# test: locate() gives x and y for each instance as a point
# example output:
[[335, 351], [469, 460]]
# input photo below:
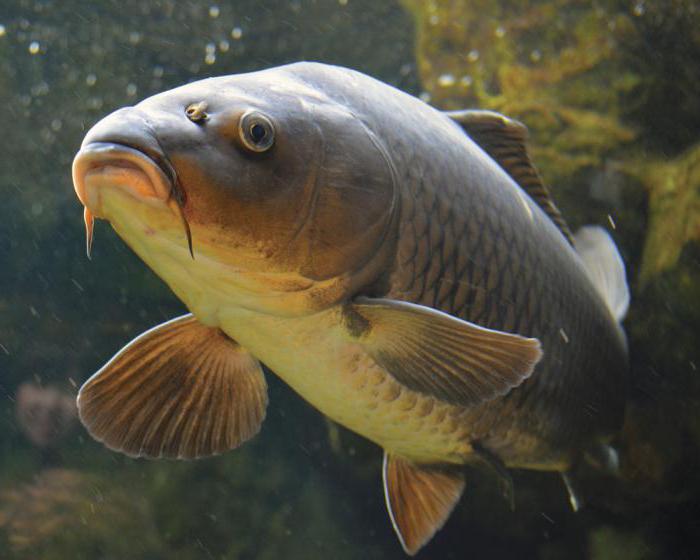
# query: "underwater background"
[[610, 90]]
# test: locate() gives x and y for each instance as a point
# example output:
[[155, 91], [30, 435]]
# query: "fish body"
[[402, 269]]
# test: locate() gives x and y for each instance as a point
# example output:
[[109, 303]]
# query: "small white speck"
[[446, 80], [135, 37], [158, 71], [34, 47], [466, 81], [95, 102], [473, 55], [131, 90], [564, 336], [224, 46], [434, 19], [236, 33], [214, 12], [500, 31], [56, 125], [535, 55], [2, 30], [611, 222], [526, 206], [210, 58], [210, 48], [425, 96], [91, 80], [639, 9]]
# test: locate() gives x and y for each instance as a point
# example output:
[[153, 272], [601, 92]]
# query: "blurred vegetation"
[[611, 93]]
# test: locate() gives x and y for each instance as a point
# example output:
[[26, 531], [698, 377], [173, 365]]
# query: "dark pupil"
[[257, 133]]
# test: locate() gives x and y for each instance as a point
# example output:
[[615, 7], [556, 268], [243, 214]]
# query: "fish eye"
[[256, 132], [197, 112]]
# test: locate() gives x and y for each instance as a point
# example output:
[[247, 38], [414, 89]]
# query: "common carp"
[[403, 269]]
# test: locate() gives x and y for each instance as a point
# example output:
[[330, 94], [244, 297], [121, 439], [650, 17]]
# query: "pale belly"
[[334, 375], [310, 352]]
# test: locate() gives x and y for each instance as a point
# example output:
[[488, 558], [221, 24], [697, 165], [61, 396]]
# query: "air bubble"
[[473, 55], [131, 90], [214, 12], [34, 47], [236, 33], [446, 80]]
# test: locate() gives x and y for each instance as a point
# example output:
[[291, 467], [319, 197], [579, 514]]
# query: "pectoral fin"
[[180, 390], [436, 354], [419, 498]]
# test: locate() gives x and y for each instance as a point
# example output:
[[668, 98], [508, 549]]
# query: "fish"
[[403, 269]]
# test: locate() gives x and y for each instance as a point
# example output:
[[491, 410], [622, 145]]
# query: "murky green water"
[[611, 93]]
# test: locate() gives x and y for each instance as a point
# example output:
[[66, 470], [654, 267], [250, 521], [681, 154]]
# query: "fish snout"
[[121, 151]]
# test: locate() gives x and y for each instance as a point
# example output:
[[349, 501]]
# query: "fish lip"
[[101, 155]]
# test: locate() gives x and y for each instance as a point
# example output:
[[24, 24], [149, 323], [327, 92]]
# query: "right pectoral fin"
[[419, 498], [181, 390]]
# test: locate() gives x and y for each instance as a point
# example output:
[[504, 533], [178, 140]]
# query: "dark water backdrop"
[[610, 90]]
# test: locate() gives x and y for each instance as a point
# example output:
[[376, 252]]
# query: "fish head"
[[277, 188]]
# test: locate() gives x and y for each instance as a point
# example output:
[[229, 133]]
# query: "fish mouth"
[[101, 164]]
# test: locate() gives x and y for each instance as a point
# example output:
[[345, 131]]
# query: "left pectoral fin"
[[181, 390], [439, 355], [419, 498]]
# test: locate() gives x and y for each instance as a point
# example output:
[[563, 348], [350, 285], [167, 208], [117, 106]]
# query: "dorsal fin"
[[504, 140]]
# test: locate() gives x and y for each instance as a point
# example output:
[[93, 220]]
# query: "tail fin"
[[605, 268]]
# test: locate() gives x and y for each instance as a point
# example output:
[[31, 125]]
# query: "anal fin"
[[180, 390], [419, 498]]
